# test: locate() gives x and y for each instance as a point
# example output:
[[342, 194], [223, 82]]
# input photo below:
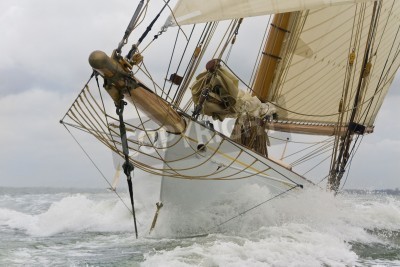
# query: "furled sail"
[[224, 98], [189, 12]]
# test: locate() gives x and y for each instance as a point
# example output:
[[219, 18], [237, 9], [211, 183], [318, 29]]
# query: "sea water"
[[92, 227]]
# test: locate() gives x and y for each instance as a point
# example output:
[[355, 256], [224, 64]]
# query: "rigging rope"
[[252, 208], [130, 27], [175, 20], [341, 160], [134, 48], [169, 66], [95, 165], [83, 123], [349, 164], [203, 43]]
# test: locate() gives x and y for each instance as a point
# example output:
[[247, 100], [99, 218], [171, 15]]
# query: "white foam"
[[73, 213], [380, 213], [311, 229], [288, 245]]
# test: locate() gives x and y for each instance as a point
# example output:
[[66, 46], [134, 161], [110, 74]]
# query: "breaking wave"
[[72, 213], [310, 229]]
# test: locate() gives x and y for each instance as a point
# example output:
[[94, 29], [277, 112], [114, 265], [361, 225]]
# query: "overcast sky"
[[43, 65]]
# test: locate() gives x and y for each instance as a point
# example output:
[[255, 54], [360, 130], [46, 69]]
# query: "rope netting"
[[199, 153]]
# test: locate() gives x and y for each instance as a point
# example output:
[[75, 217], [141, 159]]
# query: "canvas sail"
[[313, 83], [189, 12], [316, 72]]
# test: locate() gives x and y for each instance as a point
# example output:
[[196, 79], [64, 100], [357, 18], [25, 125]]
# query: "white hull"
[[206, 178]]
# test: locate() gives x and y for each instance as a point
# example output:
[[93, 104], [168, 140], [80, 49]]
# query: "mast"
[[271, 56], [339, 164], [250, 131]]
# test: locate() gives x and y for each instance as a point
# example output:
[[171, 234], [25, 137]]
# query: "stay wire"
[[312, 154], [145, 33], [318, 164], [104, 108], [355, 149], [175, 20], [180, 62], [308, 147], [169, 65], [254, 207]]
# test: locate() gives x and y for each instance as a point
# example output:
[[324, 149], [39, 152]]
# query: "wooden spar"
[[157, 109], [119, 81], [326, 130], [271, 56]]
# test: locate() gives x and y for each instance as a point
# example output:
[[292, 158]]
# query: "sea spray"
[[74, 213], [96, 229]]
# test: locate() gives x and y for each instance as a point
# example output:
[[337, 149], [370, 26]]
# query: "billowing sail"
[[315, 85], [324, 66], [189, 12]]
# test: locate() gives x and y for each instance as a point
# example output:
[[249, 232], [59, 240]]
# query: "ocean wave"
[[288, 245], [73, 213], [313, 228], [342, 215]]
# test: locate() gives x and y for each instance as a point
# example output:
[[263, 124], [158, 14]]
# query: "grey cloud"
[[47, 43], [17, 80]]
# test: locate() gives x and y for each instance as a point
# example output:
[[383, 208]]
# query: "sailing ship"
[[322, 68]]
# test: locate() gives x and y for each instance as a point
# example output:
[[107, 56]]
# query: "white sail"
[[189, 12], [310, 87]]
